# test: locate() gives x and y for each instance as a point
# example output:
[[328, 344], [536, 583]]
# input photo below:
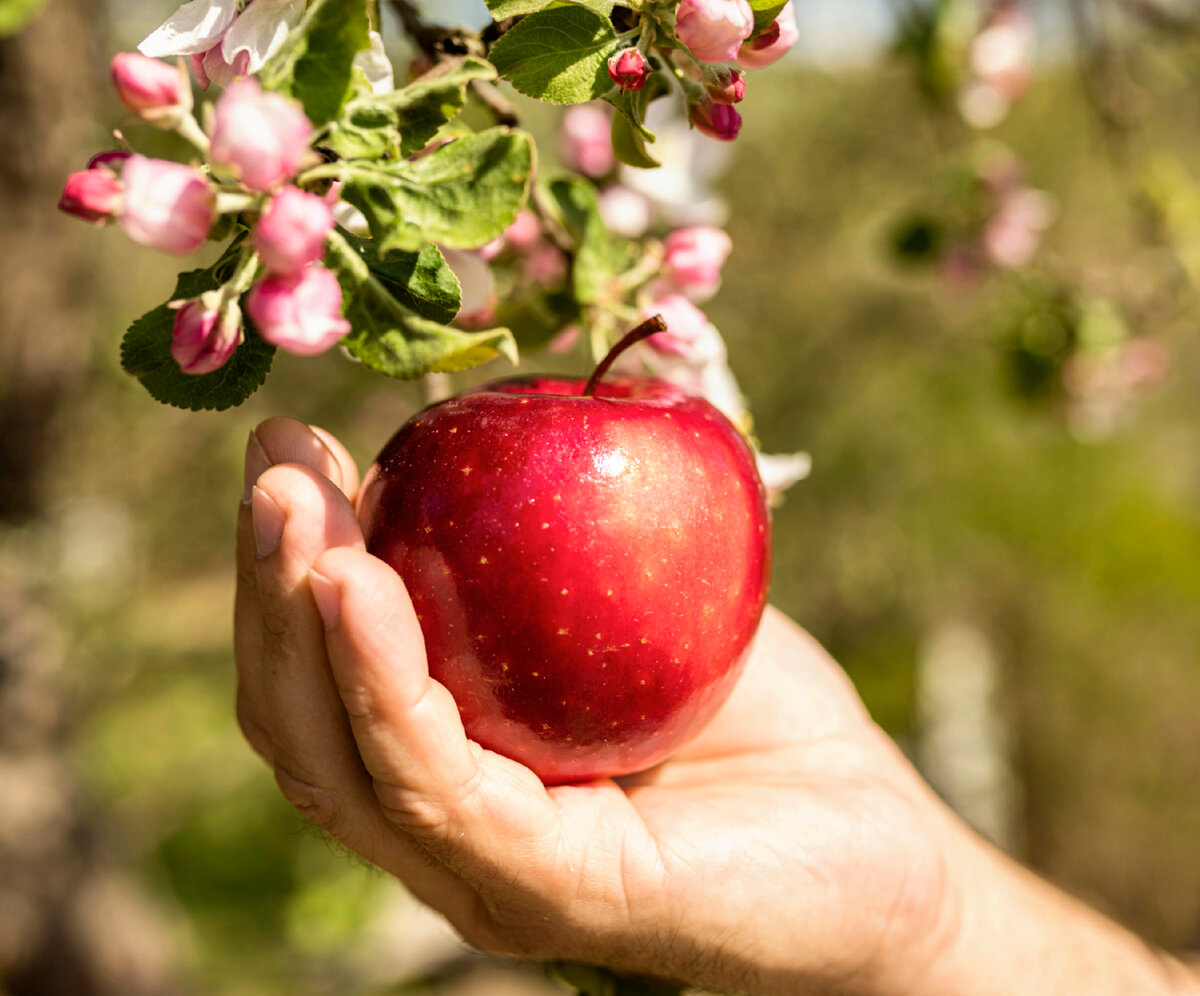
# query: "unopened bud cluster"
[[256, 144], [721, 35]]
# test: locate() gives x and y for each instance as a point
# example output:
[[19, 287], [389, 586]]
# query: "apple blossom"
[[291, 232], [713, 29], [545, 264], [585, 140], [153, 90], [628, 69], [524, 233], [726, 87], [772, 43], [112, 160], [693, 258], [626, 212], [167, 206], [263, 137], [376, 66], [719, 121], [92, 194], [221, 43], [1012, 235], [681, 190], [192, 29], [301, 314], [206, 332], [685, 325]]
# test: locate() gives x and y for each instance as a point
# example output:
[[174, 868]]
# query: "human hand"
[[788, 846]]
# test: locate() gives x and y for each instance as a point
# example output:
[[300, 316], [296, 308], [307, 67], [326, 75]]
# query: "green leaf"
[[765, 11], [146, 354], [428, 103], [502, 9], [629, 145], [404, 121], [365, 131], [559, 55], [422, 281], [462, 195], [629, 133], [15, 14], [415, 346], [599, 256], [395, 339], [315, 63]]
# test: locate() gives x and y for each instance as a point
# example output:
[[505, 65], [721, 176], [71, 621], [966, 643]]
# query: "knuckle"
[[254, 732], [412, 811], [274, 623], [320, 806], [359, 703]]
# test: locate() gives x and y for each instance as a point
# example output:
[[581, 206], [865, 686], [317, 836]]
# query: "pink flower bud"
[[112, 160], [719, 121], [714, 29], [206, 333], [726, 87], [524, 233], [291, 233], [686, 325], [545, 265], [694, 257], [153, 90], [585, 140], [302, 314], [628, 69], [91, 194], [263, 137], [168, 206], [772, 42]]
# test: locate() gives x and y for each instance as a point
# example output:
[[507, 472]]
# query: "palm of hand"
[[791, 808]]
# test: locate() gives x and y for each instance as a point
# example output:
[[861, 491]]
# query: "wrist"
[[1009, 933]]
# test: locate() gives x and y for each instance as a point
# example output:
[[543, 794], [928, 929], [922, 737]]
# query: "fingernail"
[[268, 521], [257, 463], [328, 597]]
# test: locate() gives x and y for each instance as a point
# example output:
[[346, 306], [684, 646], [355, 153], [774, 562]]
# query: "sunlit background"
[[999, 540]]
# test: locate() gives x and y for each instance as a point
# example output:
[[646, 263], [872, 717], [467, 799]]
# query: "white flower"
[[682, 187], [260, 31], [223, 43], [376, 66], [194, 28]]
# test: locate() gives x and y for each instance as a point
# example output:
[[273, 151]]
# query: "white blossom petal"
[[351, 219], [376, 66], [193, 28], [779, 471], [260, 31]]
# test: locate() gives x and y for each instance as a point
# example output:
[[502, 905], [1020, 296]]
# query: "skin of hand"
[[790, 848]]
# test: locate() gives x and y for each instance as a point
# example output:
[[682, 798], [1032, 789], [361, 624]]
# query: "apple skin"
[[588, 572]]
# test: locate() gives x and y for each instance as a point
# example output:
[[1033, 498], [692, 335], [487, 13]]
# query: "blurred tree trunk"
[[69, 923], [48, 83]]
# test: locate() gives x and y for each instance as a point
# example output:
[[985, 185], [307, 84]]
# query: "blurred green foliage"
[[939, 491]]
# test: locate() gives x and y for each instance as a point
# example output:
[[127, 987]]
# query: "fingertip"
[[349, 469], [284, 440]]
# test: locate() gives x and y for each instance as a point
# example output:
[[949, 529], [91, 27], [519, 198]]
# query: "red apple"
[[588, 571]]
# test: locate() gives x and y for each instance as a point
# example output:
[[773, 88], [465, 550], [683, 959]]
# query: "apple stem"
[[651, 326]]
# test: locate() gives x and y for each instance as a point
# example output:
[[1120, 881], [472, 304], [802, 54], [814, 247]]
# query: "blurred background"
[[964, 280]]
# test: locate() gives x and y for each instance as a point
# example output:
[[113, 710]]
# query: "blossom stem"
[[243, 274], [189, 129]]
